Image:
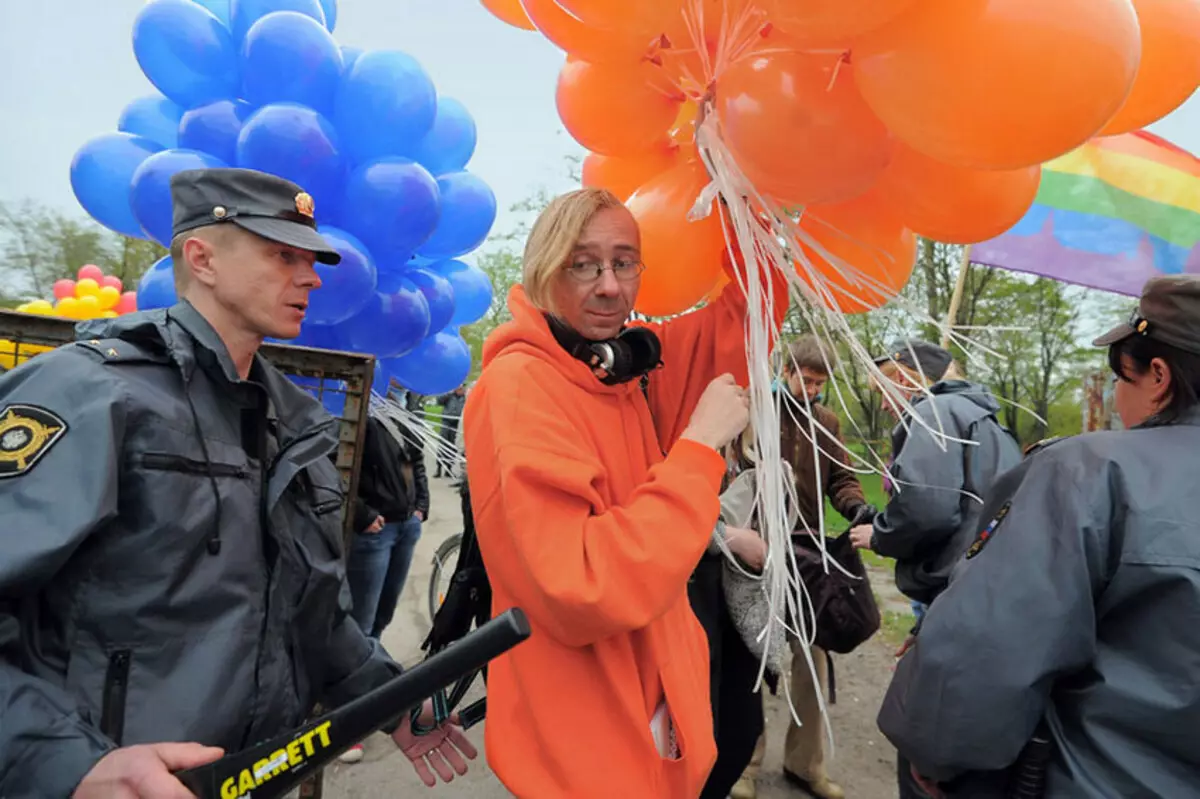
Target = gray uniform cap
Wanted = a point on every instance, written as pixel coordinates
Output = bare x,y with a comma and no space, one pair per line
266,205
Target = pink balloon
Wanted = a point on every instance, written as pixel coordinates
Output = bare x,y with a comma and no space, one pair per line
92,271
112,280
64,288
127,303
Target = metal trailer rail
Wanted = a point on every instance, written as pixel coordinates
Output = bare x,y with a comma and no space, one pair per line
326,372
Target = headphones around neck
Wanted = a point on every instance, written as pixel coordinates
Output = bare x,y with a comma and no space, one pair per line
634,353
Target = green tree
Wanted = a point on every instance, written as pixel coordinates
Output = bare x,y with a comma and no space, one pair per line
41,245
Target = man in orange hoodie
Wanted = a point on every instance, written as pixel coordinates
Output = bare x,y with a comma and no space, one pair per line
587,526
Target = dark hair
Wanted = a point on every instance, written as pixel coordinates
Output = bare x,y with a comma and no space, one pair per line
1184,366
805,353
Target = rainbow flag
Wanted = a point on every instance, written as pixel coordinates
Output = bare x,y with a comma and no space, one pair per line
1110,215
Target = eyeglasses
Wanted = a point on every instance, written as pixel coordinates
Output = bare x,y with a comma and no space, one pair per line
623,269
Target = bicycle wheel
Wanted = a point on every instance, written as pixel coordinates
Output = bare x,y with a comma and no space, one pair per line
444,561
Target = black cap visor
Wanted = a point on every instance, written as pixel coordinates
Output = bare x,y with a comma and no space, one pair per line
293,234
1114,336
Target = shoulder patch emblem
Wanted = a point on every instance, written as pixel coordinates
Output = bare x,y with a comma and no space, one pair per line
27,432
988,532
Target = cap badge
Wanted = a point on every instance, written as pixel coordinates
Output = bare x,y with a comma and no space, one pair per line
1142,326
304,203
219,212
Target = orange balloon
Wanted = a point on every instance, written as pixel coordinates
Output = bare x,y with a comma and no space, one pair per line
614,109
799,129
647,19
594,43
867,234
682,258
509,11
727,31
999,84
715,292
831,23
683,129
624,176
953,204
1170,68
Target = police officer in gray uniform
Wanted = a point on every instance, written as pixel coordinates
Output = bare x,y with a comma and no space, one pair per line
171,572
1078,609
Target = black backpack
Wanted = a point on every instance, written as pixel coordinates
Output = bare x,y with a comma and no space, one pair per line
844,606
468,604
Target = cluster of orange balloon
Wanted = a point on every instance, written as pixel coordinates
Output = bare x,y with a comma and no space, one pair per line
94,295
878,118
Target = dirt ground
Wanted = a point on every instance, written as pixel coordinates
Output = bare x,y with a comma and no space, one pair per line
863,761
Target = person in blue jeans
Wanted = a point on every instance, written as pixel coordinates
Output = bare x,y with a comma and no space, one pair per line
393,501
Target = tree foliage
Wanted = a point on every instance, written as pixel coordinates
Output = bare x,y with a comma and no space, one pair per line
39,245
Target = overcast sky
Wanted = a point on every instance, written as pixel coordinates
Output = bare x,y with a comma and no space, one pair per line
69,69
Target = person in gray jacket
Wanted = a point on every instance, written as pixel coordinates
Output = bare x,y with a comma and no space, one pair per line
938,481
171,576
1078,610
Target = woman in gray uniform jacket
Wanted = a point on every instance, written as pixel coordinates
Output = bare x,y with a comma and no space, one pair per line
1079,606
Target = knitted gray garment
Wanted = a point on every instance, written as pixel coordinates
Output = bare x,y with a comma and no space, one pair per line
746,595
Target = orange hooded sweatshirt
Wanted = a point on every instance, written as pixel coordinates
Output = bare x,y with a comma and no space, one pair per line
586,526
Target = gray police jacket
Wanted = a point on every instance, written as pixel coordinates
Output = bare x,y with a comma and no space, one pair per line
170,556
1080,605
931,519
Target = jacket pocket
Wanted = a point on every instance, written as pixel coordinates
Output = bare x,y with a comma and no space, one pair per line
116,688
162,461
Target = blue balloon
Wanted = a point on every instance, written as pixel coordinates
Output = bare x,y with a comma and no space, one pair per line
439,365
349,56
186,52
439,294
245,13
472,291
345,288
468,212
150,189
214,128
101,173
156,289
331,10
296,143
393,276
389,324
289,57
321,337
218,8
385,106
330,393
392,206
450,144
155,117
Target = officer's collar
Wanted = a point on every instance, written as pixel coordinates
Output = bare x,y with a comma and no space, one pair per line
294,407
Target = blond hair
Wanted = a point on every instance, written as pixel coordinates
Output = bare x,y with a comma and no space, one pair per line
554,236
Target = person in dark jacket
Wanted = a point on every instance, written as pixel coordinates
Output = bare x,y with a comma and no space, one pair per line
171,579
937,480
1077,610
393,493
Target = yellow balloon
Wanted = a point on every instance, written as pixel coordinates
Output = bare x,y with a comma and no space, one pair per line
108,297
89,307
39,307
8,353
108,314
68,307
86,288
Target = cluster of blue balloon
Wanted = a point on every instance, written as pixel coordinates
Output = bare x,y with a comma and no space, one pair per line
263,84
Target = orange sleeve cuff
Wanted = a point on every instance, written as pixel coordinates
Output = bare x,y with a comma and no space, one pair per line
696,457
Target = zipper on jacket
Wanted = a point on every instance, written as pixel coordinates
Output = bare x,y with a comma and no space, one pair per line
116,683
178,463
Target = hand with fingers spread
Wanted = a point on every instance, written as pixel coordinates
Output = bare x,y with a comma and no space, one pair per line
440,750
721,414
145,772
